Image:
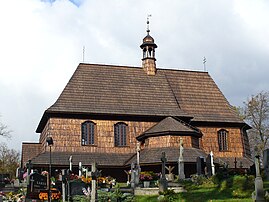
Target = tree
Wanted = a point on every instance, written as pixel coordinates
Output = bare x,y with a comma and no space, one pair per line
9,160
4,132
256,114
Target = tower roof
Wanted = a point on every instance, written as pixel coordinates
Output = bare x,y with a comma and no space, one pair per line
148,40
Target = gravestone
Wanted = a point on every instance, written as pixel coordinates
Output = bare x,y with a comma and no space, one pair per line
259,192
79,169
200,165
94,174
76,188
63,179
29,167
163,181
70,163
212,163
37,183
138,153
235,163
208,165
94,177
181,174
135,170
266,163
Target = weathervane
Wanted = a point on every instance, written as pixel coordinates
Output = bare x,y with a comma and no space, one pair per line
204,61
149,15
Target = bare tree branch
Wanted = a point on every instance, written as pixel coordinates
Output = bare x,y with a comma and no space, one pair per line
4,132
256,112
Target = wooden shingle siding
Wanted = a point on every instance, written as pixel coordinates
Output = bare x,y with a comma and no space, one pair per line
66,135
168,141
209,142
29,151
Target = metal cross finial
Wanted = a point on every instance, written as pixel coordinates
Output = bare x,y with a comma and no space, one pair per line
204,61
148,23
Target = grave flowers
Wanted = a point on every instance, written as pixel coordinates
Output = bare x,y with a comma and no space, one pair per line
44,173
147,176
101,181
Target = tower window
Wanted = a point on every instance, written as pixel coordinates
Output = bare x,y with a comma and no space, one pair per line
88,133
120,134
150,51
144,53
223,140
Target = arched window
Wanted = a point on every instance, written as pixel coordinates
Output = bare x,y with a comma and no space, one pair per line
150,51
120,134
88,133
144,53
223,140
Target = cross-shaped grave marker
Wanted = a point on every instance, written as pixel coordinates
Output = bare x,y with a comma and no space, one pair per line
163,181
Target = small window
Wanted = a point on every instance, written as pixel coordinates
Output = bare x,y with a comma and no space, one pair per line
195,142
120,133
88,133
223,140
144,53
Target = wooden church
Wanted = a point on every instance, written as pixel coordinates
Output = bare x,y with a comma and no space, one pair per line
106,112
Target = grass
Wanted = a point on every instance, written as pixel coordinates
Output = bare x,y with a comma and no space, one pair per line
208,192
199,195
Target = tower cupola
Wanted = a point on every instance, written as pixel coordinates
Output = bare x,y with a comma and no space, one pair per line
148,47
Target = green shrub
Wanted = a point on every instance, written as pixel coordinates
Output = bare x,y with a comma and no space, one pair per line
168,195
198,179
242,186
103,195
80,198
223,185
115,196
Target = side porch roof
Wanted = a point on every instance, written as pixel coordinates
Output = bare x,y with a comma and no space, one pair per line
170,126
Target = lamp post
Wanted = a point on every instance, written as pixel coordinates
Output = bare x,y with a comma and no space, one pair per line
49,141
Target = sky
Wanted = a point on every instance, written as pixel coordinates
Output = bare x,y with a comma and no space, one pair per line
41,45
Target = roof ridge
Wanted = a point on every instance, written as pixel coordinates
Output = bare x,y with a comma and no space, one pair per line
186,124
140,67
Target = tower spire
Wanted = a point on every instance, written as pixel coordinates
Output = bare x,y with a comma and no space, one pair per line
148,46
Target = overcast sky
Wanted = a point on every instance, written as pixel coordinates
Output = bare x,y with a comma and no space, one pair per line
41,44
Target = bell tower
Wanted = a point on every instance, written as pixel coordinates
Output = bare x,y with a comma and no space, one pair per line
148,47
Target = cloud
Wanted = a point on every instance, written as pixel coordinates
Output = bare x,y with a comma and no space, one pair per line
42,44
75,2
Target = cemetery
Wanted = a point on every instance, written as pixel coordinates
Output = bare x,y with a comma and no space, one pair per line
124,133
88,184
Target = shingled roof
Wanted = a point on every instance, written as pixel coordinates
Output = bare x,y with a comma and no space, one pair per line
170,126
102,159
120,90
153,155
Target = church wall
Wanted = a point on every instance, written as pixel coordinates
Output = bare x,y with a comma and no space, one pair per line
167,141
66,134
209,142
43,136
